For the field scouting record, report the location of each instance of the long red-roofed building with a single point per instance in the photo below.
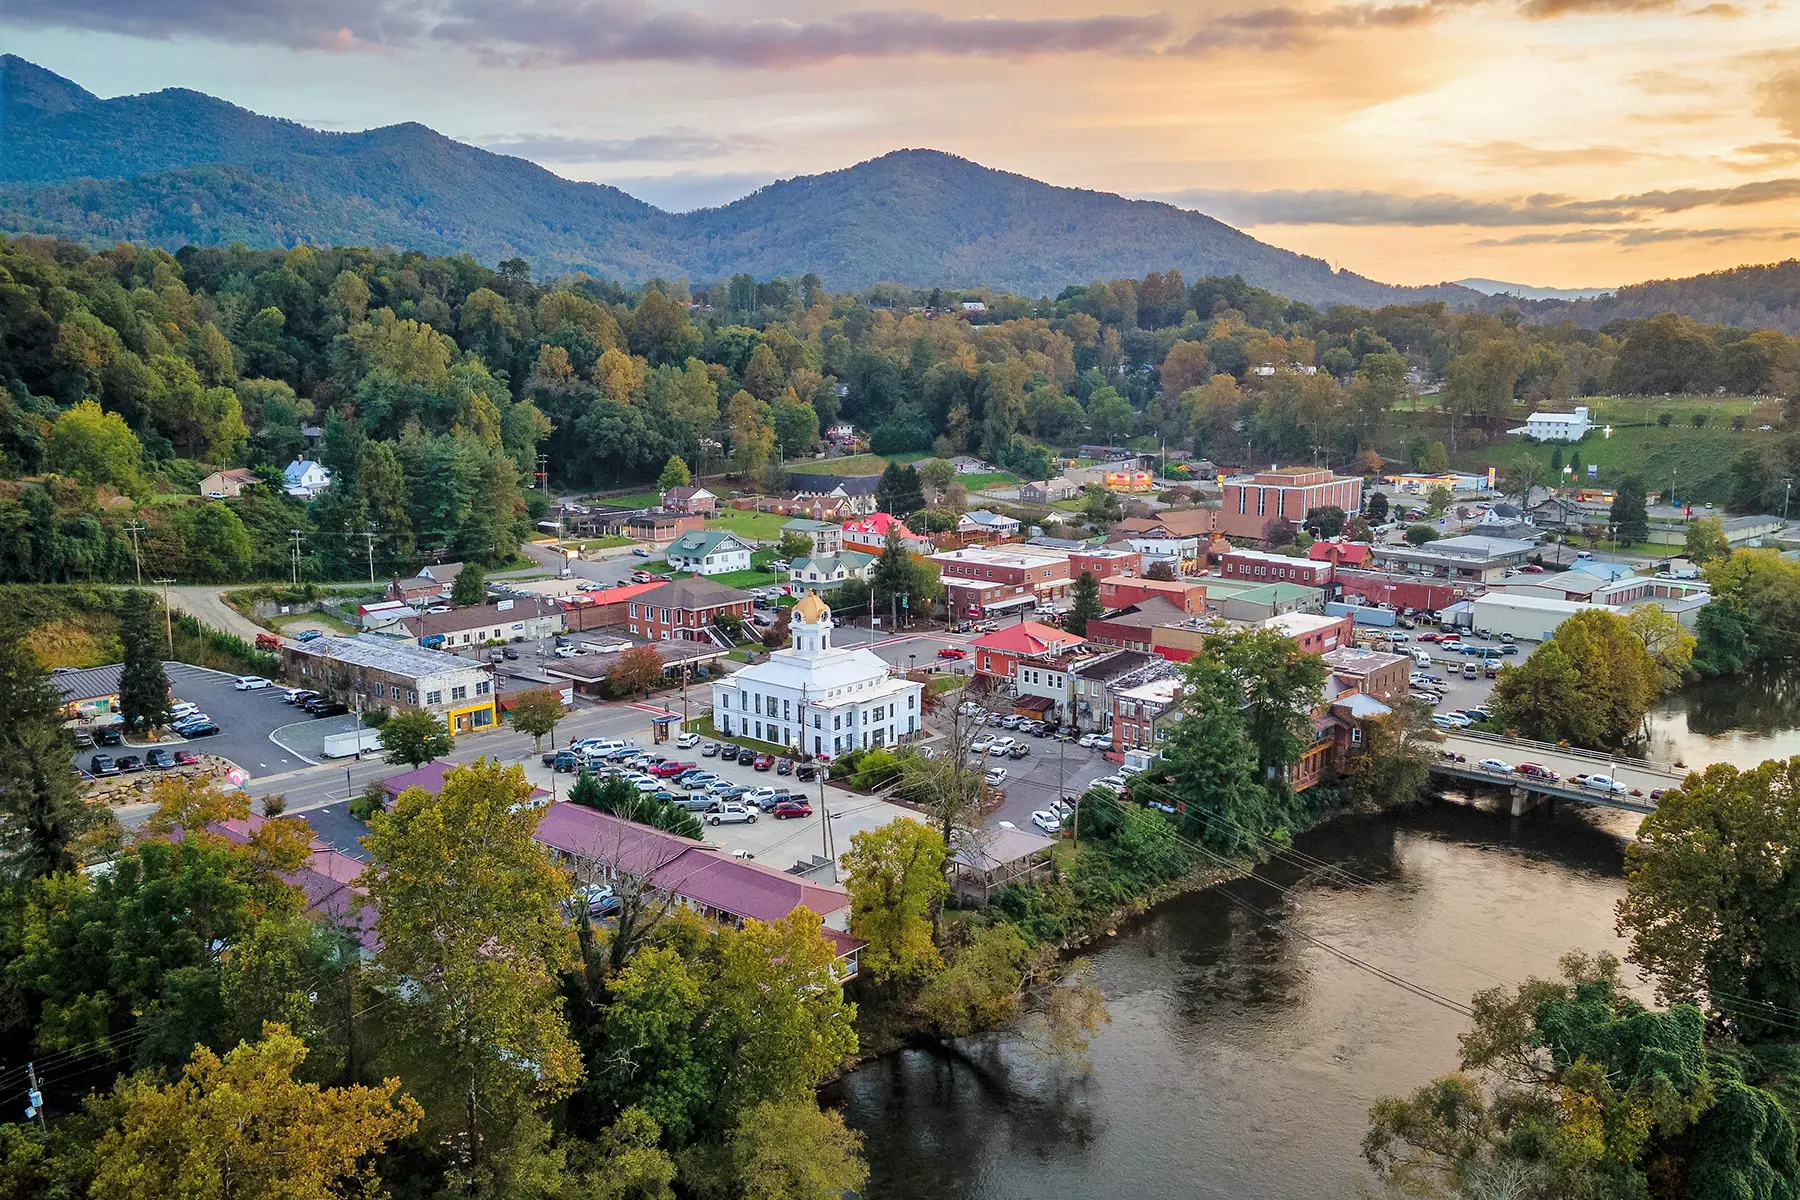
(998, 653)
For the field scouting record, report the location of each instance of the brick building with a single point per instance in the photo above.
(602, 609)
(998, 653)
(1312, 632)
(981, 581)
(1105, 562)
(1399, 591)
(378, 672)
(1258, 566)
(1123, 591)
(1137, 713)
(1134, 627)
(503, 621)
(1250, 502)
(1372, 672)
(685, 610)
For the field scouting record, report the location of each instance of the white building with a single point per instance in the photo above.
(304, 477)
(708, 552)
(814, 699)
(1556, 427)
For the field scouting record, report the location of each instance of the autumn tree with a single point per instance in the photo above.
(1590, 684)
(1398, 750)
(242, 1125)
(95, 447)
(537, 712)
(415, 737)
(896, 882)
(675, 474)
(1706, 541)
(791, 1151)
(639, 669)
(472, 944)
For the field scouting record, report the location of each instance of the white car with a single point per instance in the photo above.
(688, 741)
(1602, 783)
(758, 796)
(1112, 783)
(732, 814)
(1495, 764)
(1128, 771)
(182, 710)
(1002, 745)
(995, 776)
(565, 652)
(1047, 821)
(252, 683)
(1457, 718)
(1093, 741)
(981, 744)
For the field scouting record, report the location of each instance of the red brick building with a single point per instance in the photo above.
(1251, 501)
(1124, 591)
(1258, 566)
(1372, 672)
(602, 609)
(1399, 591)
(1340, 554)
(1105, 562)
(684, 610)
(1134, 628)
(1313, 633)
(1136, 712)
(998, 653)
(981, 581)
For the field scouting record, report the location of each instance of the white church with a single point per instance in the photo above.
(815, 700)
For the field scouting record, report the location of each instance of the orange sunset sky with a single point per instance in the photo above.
(1549, 142)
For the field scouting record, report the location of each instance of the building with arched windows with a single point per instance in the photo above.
(816, 699)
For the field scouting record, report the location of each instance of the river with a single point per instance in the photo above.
(1243, 1056)
(1243, 1053)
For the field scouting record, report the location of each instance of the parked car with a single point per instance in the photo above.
(1047, 821)
(668, 770)
(762, 762)
(1509, 649)
(710, 750)
(509, 653)
(1537, 771)
(730, 751)
(297, 695)
(792, 808)
(687, 741)
(109, 735)
(84, 740)
(595, 898)
(1601, 783)
(784, 766)
(252, 683)
(567, 761)
(952, 652)
(1506, 639)
(102, 765)
(564, 652)
(1019, 750)
(805, 773)
(760, 797)
(1471, 671)
(982, 744)
(186, 758)
(327, 708)
(181, 709)
(130, 762)
(995, 776)
(1499, 765)
(199, 729)
(732, 814)
(158, 759)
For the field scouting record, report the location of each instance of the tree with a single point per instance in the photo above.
(1084, 603)
(1100, 504)
(1326, 522)
(95, 447)
(639, 669)
(1436, 460)
(1438, 500)
(1524, 476)
(1280, 684)
(218, 544)
(1395, 764)
(624, 1163)
(1278, 532)
(1376, 507)
(1211, 762)
(472, 943)
(243, 1126)
(899, 491)
(794, 546)
(675, 474)
(1706, 541)
(470, 587)
(1162, 569)
(1756, 602)
(1418, 535)
(1705, 888)
(939, 473)
(44, 811)
(143, 684)
(791, 1151)
(537, 712)
(890, 577)
(1110, 416)
(1590, 684)
(1629, 519)
(1670, 646)
(415, 737)
(896, 885)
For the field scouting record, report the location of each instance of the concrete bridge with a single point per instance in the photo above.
(1638, 775)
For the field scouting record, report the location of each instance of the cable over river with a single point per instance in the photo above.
(1243, 1056)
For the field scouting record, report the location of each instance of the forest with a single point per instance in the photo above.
(429, 388)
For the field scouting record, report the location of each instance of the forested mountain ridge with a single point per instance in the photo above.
(1763, 296)
(176, 167)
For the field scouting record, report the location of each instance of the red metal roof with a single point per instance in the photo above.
(1027, 637)
(1351, 554)
(431, 778)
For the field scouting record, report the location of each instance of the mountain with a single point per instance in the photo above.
(177, 167)
(1766, 296)
(1496, 287)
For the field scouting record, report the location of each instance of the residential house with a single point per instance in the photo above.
(596, 847)
(982, 525)
(1173, 523)
(659, 526)
(305, 478)
(376, 672)
(1339, 553)
(709, 552)
(1506, 521)
(1047, 491)
(827, 538)
(685, 610)
(820, 573)
(1556, 426)
(985, 581)
(1250, 502)
(1560, 513)
(869, 534)
(688, 499)
(997, 654)
(428, 585)
(856, 491)
(222, 484)
(477, 625)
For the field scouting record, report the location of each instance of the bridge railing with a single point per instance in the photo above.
(1594, 756)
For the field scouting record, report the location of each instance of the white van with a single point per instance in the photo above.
(1421, 656)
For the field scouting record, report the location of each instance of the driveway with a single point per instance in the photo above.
(207, 606)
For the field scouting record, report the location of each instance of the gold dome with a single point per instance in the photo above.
(811, 609)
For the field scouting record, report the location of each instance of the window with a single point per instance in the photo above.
(484, 717)
(459, 693)
(412, 697)
(759, 703)
(837, 720)
(785, 710)
(395, 690)
(434, 697)
(483, 688)
(910, 702)
(818, 722)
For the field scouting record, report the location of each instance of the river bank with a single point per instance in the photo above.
(1242, 1055)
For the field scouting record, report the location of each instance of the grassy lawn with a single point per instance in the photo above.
(991, 479)
(746, 579)
(636, 500)
(849, 465)
(947, 683)
(308, 620)
(764, 527)
(1698, 459)
(604, 543)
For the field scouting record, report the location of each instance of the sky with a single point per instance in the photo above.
(1560, 143)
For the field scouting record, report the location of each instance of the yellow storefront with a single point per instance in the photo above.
(473, 718)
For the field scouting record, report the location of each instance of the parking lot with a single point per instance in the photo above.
(245, 720)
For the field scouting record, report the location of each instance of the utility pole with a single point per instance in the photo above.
(296, 574)
(370, 536)
(36, 1097)
(543, 472)
(168, 615)
(134, 528)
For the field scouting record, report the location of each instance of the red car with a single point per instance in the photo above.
(186, 758)
(792, 808)
(763, 762)
(1428, 637)
(1534, 771)
(953, 652)
(666, 770)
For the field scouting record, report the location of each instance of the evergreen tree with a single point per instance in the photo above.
(470, 587)
(675, 474)
(37, 793)
(1630, 519)
(891, 576)
(901, 492)
(1085, 603)
(143, 685)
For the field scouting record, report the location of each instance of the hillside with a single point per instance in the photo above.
(177, 167)
(1766, 296)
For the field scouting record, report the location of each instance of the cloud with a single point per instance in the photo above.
(1546, 10)
(1518, 156)
(315, 24)
(1778, 98)
(1331, 206)
(1284, 27)
(1550, 239)
(684, 191)
(1638, 237)
(676, 145)
(1721, 10)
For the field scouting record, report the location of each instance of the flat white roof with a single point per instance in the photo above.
(1021, 555)
(1293, 623)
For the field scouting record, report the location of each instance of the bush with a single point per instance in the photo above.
(1665, 419)
(372, 800)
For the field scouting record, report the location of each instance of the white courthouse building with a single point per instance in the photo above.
(813, 699)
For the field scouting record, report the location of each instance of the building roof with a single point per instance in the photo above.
(696, 592)
(1351, 554)
(1105, 668)
(1358, 661)
(476, 616)
(810, 610)
(1298, 624)
(852, 485)
(1579, 417)
(1148, 613)
(613, 595)
(1027, 637)
(982, 516)
(991, 849)
(686, 493)
(1017, 555)
(1273, 593)
(1156, 691)
(1362, 706)
(1594, 566)
(691, 870)
(1548, 604)
(807, 525)
(827, 564)
(431, 778)
(385, 654)
(296, 470)
(879, 524)
(88, 684)
(700, 543)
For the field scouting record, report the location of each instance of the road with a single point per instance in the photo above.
(1645, 777)
(208, 606)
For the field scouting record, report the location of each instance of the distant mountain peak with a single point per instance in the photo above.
(1525, 291)
(25, 85)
